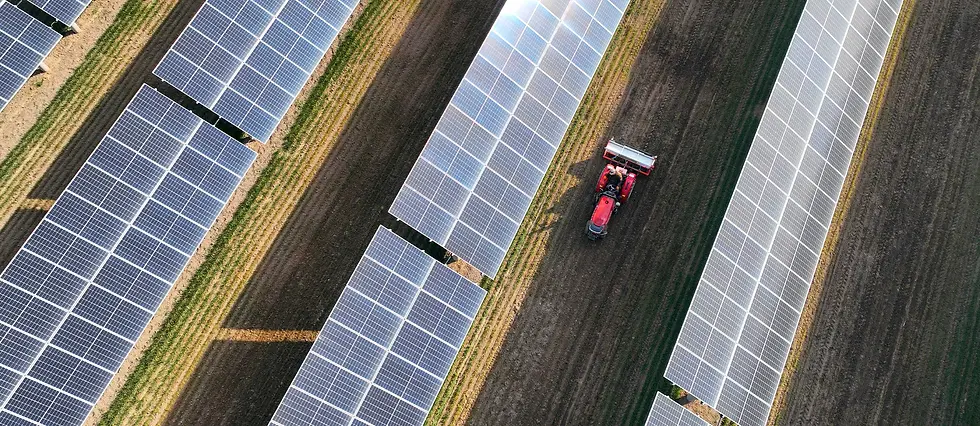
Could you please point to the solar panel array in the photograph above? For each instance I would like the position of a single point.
(247, 60)
(476, 176)
(78, 294)
(65, 11)
(666, 412)
(387, 346)
(736, 337)
(24, 43)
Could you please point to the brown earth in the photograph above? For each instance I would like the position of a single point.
(23, 110)
(590, 341)
(693, 99)
(895, 338)
(265, 152)
(300, 277)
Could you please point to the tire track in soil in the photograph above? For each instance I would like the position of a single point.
(888, 337)
(349, 116)
(589, 341)
(482, 344)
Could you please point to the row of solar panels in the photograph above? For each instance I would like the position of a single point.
(736, 337)
(79, 293)
(387, 346)
(474, 181)
(24, 43)
(247, 60)
(666, 412)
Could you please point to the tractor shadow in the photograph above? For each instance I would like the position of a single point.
(591, 337)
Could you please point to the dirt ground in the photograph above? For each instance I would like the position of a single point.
(23, 110)
(896, 334)
(298, 281)
(591, 339)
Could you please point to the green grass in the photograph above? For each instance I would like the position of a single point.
(74, 100)
(194, 299)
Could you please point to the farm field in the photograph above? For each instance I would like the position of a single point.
(236, 336)
(39, 165)
(572, 331)
(595, 321)
(896, 330)
(22, 112)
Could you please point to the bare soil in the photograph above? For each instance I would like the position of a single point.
(23, 110)
(895, 338)
(590, 341)
(300, 277)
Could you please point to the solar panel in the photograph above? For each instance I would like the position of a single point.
(78, 294)
(247, 60)
(666, 412)
(736, 337)
(24, 43)
(65, 11)
(476, 176)
(387, 346)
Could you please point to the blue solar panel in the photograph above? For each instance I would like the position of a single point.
(77, 296)
(24, 43)
(669, 413)
(476, 176)
(735, 340)
(247, 60)
(388, 344)
(65, 11)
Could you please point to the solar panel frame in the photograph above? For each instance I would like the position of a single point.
(24, 43)
(247, 60)
(735, 339)
(389, 341)
(79, 293)
(65, 11)
(471, 186)
(666, 412)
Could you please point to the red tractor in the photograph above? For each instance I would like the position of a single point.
(616, 184)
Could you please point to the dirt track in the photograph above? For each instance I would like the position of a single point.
(896, 335)
(591, 340)
(300, 278)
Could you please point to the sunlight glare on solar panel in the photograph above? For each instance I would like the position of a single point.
(247, 60)
(388, 344)
(476, 176)
(78, 294)
(734, 342)
(24, 43)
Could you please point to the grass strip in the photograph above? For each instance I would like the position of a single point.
(840, 213)
(76, 100)
(178, 347)
(485, 340)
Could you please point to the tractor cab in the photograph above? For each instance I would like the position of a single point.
(615, 184)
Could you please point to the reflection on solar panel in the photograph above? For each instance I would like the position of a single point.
(65, 11)
(78, 294)
(668, 413)
(473, 183)
(248, 59)
(24, 43)
(388, 343)
(736, 337)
